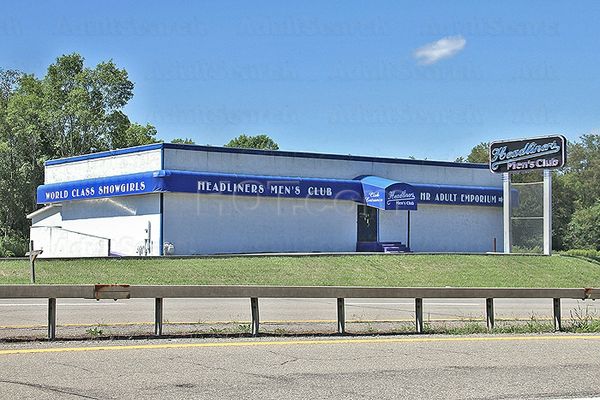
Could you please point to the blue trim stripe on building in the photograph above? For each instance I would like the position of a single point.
(277, 153)
(378, 192)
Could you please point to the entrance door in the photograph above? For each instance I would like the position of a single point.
(367, 223)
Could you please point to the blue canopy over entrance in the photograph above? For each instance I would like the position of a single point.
(386, 194)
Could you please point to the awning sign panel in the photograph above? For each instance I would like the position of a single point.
(382, 193)
(387, 194)
(459, 195)
(261, 185)
(201, 183)
(400, 196)
(123, 185)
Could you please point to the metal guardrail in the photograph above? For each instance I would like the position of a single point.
(160, 292)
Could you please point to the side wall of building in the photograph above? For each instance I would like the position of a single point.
(433, 227)
(123, 220)
(212, 224)
(58, 242)
(443, 228)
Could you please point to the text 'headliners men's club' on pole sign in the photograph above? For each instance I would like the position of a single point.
(523, 155)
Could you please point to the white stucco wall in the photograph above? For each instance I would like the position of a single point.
(57, 242)
(325, 168)
(441, 228)
(393, 226)
(209, 224)
(107, 166)
(121, 219)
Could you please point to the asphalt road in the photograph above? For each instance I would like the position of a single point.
(400, 367)
(27, 317)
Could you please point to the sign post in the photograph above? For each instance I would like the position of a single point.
(547, 212)
(506, 212)
(32, 256)
(525, 155)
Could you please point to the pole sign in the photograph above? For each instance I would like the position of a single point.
(523, 155)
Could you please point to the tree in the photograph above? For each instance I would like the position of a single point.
(72, 110)
(582, 173)
(262, 142)
(28, 148)
(183, 141)
(563, 208)
(479, 153)
(82, 106)
(575, 195)
(135, 135)
(583, 231)
(11, 220)
(9, 80)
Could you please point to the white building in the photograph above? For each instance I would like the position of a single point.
(185, 199)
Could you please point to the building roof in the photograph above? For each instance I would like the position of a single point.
(46, 209)
(276, 153)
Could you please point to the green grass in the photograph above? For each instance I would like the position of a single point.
(359, 270)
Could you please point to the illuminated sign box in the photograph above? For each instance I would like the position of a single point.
(524, 155)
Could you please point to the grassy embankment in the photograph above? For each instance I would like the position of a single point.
(404, 270)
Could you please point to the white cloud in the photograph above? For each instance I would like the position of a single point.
(443, 48)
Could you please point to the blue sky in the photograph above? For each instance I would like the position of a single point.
(386, 78)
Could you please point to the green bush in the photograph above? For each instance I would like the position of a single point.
(591, 254)
(583, 232)
(13, 246)
(527, 250)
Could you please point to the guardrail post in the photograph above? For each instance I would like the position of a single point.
(341, 317)
(489, 314)
(419, 315)
(158, 316)
(255, 316)
(51, 319)
(557, 315)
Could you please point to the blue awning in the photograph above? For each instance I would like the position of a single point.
(461, 195)
(382, 193)
(111, 186)
(387, 194)
(201, 183)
